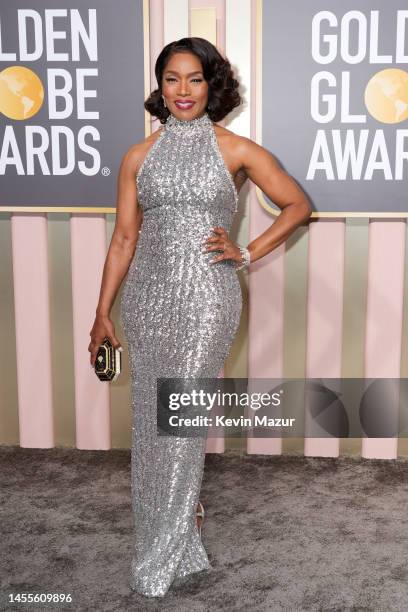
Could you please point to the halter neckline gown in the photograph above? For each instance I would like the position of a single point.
(180, 315)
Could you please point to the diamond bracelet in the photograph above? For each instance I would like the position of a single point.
(246, 258)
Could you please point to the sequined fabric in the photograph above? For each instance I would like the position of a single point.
(180, 315)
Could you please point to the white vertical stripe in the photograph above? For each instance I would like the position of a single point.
(238, 51)
(62, 350)
(175, 21)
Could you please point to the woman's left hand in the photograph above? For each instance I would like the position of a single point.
(221, 242)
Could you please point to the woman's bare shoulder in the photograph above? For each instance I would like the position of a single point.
(232, 145)
(242, 148)
(135, 155)
(225, 132)
(230, 140)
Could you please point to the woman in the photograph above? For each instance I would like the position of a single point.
(181, 302)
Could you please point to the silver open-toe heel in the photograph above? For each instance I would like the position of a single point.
(200, 516)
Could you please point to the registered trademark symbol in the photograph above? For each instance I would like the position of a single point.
(105, 171)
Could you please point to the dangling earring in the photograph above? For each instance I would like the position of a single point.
(164, 102)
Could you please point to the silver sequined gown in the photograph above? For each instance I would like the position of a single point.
(180, 315)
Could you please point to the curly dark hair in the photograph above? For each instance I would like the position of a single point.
(223, 93)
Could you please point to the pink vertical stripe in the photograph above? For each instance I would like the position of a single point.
(92, 397)
(265, 287)
(33, 336)
(324, 313)
(266, 318)
(386, 246)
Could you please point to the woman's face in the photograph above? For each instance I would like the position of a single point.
(183, 80)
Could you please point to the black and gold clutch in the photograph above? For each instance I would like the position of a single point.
(108, 361)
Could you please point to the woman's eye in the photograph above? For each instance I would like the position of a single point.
(171, 79)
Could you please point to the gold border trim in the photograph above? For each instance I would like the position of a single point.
(102, 209)
(259, 194)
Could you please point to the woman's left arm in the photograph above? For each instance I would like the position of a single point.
(263, 169)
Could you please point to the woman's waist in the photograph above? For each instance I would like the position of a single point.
(171, 221)
(166, 240)
(172, 244)
(177, 261)
(167, 244)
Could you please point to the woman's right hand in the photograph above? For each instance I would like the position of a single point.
(101, 328)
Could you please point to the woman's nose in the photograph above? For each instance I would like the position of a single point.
(183, 89)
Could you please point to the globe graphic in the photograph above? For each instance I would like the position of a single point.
(21, 92)
(386, 95)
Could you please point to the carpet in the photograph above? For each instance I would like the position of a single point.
(283, 533)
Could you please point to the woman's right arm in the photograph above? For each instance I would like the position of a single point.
(121, 249)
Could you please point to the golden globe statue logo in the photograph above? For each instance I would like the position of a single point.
(55, 41)
(21, 92)
(386, 96)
